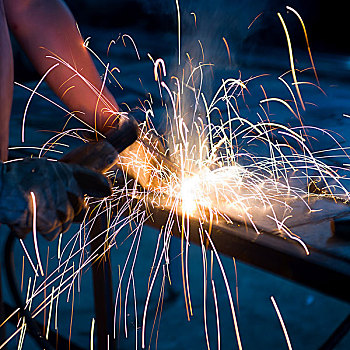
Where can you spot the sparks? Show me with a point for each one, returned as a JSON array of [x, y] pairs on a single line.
[[35, 239], [212, 164]]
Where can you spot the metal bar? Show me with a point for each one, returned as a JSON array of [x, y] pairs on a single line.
[[103, 290], [324, 271], [337, 335], [2, 315]]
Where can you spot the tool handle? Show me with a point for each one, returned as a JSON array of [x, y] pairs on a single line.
[[102, 155]]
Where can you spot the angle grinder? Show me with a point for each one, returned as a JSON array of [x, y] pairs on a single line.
[[102, 155]]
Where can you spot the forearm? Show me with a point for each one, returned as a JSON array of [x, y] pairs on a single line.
[[6, 83], [47, 32]]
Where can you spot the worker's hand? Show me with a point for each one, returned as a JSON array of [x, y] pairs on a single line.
[[59, 194], [145, 161]]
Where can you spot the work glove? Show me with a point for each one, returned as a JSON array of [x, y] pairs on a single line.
[[59, 190]]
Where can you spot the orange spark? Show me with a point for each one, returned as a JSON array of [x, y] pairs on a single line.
[[266, 99], [228, 49], [291, 59], [133, 43], [109, 46], [71, 87], [255, 19], [195, 19], [307, 41], [200, 44]]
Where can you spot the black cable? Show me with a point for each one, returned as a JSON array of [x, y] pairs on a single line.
[[12, 282]]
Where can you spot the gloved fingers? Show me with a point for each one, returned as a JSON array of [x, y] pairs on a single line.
[[78, 204], [66, 226], [60, 223], [79, 217], [20, 231], [48, 223], [20, 219], [55, 221], [50, 236], [65, 215], [91, 183], [52, 207], [61, 216], [58, 188]]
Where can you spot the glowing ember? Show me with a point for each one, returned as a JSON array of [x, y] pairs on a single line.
[[189, 192]]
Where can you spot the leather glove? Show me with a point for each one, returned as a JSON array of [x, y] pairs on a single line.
[[59, 190]]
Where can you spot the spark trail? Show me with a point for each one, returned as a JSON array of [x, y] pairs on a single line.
[[212, 164]]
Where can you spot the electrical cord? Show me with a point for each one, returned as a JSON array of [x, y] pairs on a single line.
[[12, 282]]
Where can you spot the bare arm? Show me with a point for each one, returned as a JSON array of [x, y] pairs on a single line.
[[47, 28], [6, 83]]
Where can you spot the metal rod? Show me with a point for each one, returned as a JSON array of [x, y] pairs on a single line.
[[321, 270], [103, 288], [339, 333], [2, 315]]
